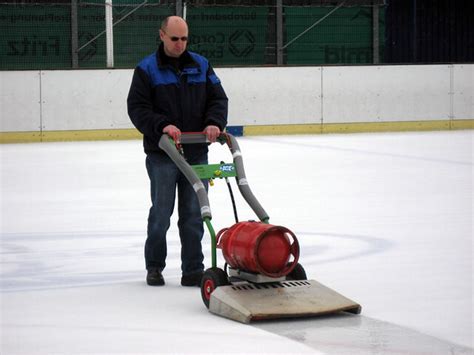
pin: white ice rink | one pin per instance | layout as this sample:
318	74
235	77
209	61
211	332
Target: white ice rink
384	219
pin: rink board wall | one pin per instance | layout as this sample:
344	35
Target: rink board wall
91	104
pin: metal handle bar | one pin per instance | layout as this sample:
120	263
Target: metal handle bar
196	137
166	144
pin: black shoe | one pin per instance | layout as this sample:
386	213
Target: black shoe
193	279
154	277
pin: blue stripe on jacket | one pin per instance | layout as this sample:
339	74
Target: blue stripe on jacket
166	76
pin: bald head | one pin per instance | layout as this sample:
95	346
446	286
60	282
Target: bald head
174	35
173	21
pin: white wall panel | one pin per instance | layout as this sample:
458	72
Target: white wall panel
386	93
85	99
463	100
265	96
19	101
96	99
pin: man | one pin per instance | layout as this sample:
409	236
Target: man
174	91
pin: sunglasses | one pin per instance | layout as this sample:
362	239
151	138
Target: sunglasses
176	39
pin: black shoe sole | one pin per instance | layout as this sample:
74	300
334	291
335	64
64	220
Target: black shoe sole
155	282
191	280
190	284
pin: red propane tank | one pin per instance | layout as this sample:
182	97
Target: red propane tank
258	247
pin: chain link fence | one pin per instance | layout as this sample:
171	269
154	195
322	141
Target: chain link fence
64	34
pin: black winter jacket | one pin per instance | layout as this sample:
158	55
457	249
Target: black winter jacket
190	98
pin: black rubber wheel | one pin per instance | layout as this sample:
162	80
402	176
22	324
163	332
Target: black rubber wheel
212	278
297	273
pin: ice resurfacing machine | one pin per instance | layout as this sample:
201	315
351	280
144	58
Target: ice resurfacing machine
262	278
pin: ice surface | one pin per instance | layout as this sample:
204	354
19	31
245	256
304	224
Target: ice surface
384	219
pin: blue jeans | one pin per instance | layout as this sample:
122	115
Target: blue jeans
164	178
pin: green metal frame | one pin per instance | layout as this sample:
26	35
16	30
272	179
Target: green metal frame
196	173
214	171
208	223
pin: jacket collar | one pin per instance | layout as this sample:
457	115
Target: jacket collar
185	60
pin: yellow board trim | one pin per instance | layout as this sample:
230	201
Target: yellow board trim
20	137
67	136
286	129
363	127
462	124
386	127
282	129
